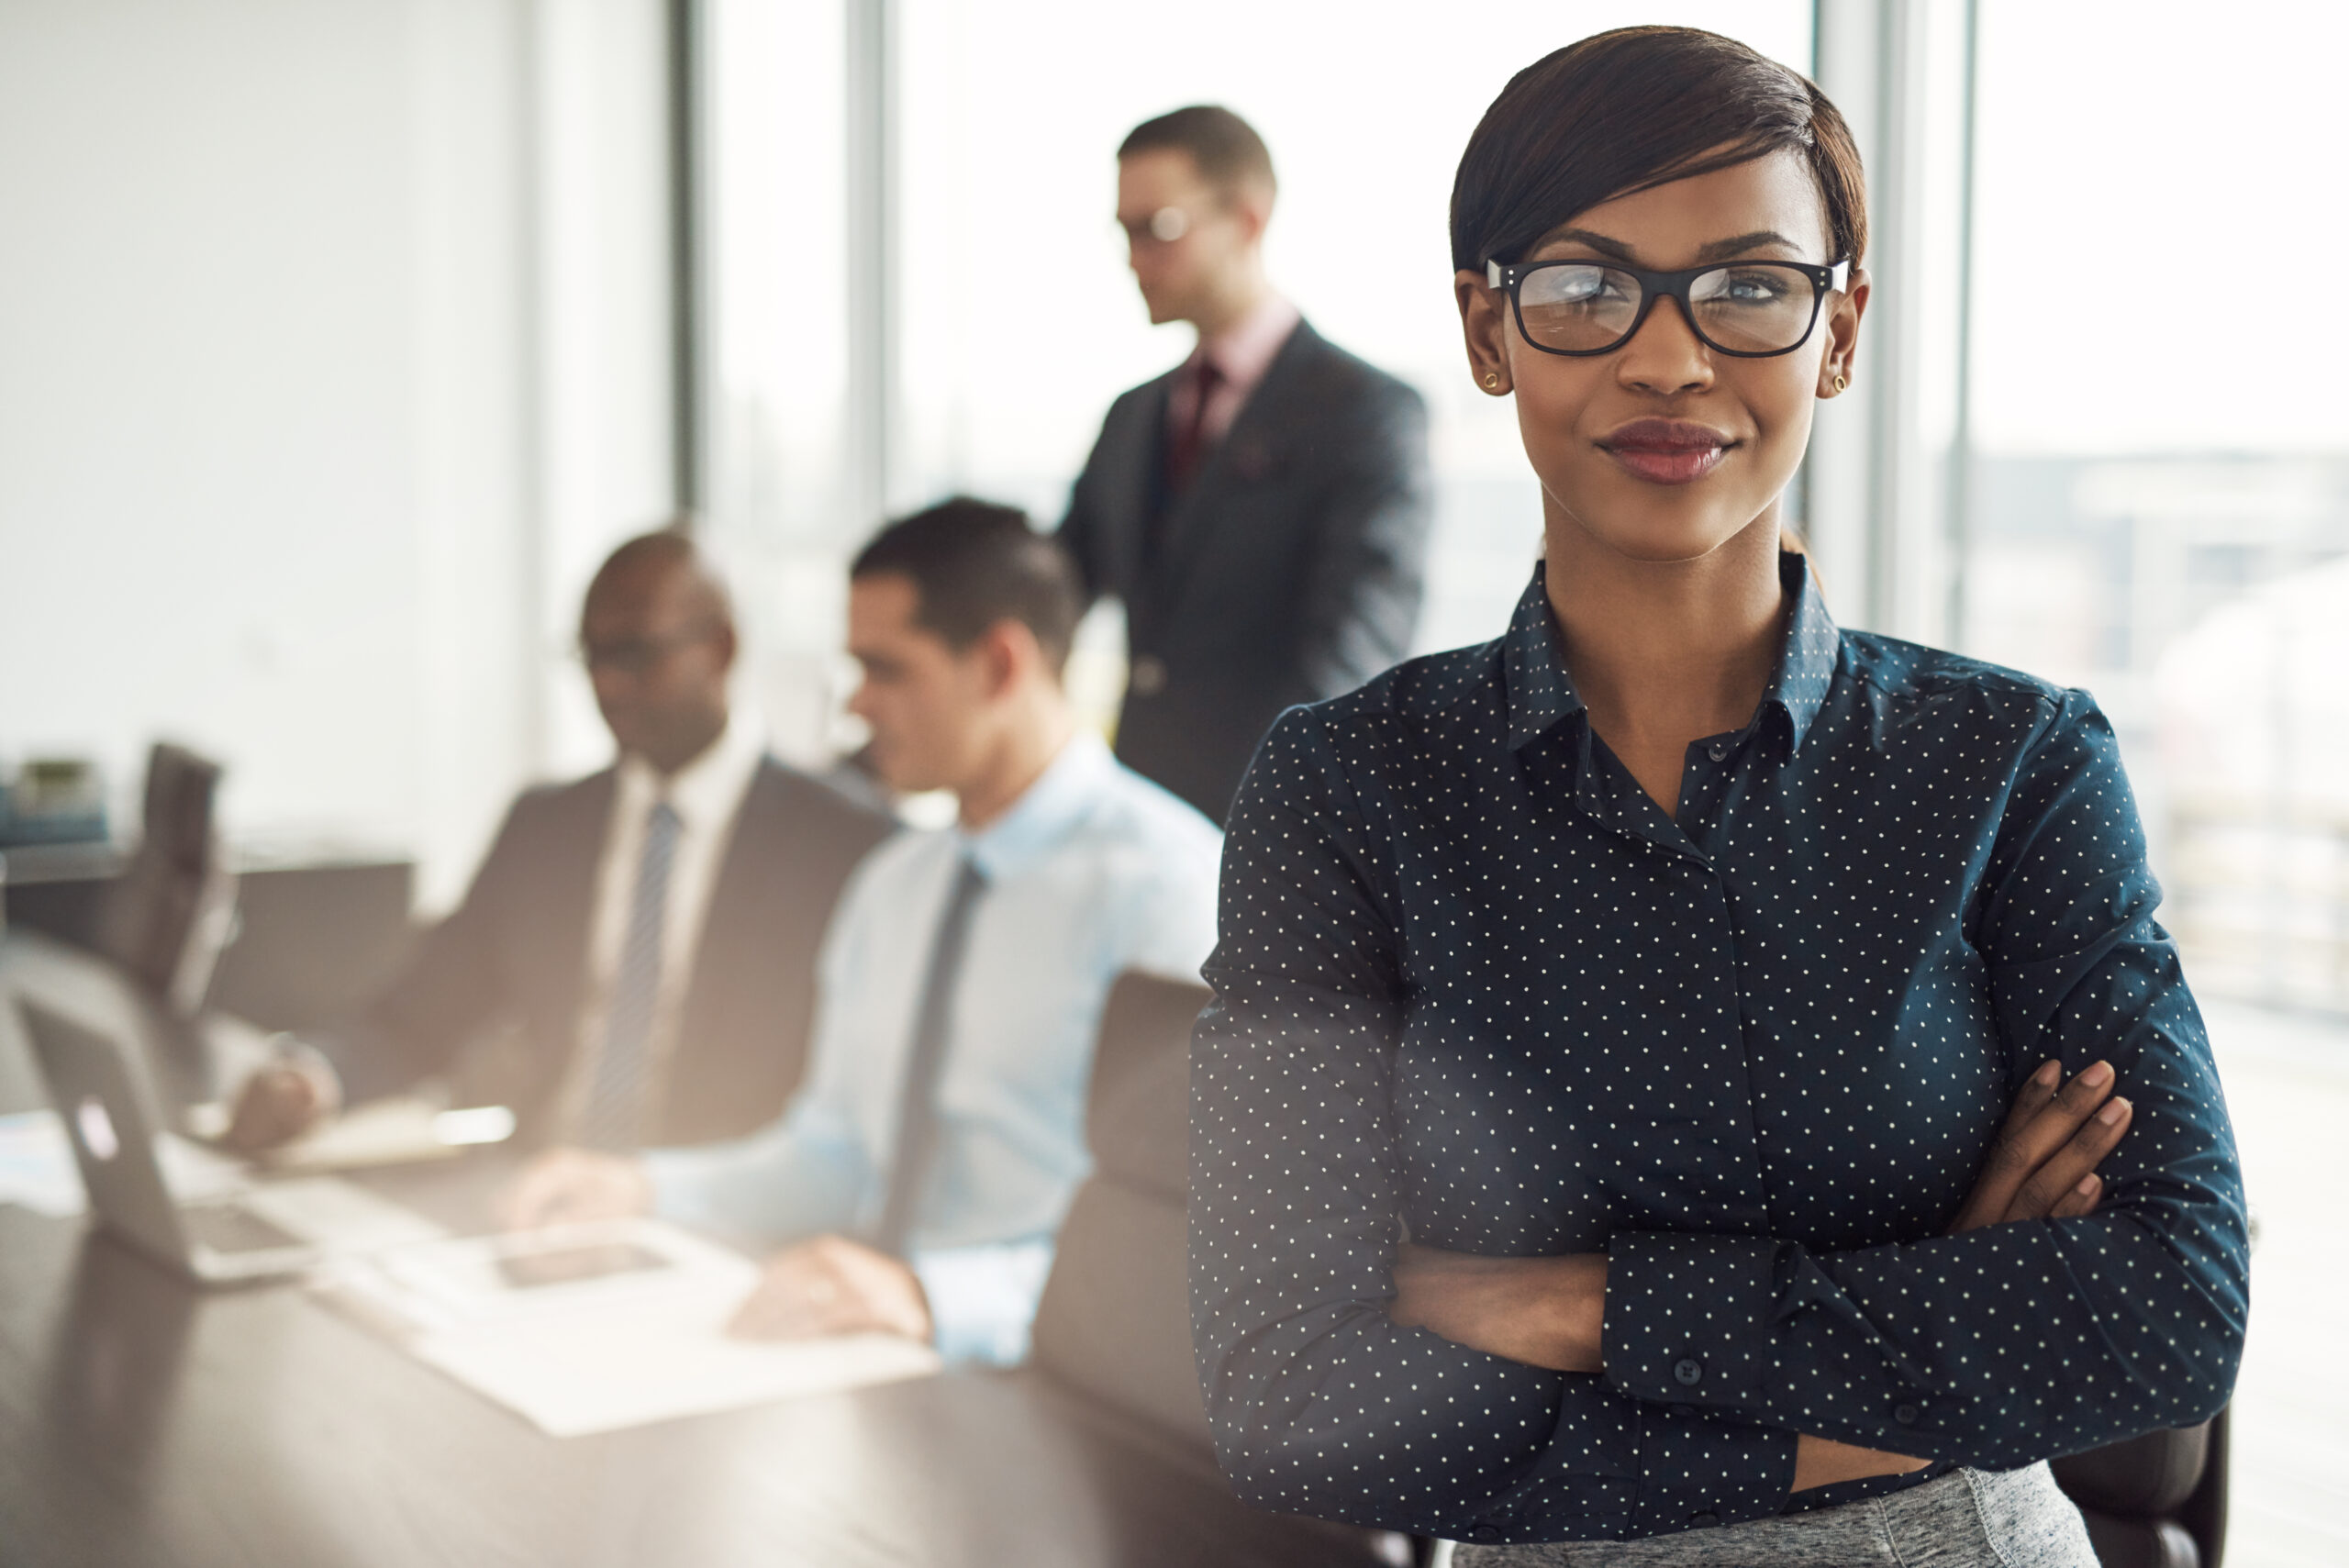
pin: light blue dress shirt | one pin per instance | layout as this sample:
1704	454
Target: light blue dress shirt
1094	871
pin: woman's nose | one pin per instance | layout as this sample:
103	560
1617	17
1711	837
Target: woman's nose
1664	356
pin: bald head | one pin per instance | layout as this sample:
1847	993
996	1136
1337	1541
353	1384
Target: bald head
652	564
658	634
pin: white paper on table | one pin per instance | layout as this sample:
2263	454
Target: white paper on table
37	1169
570	1377
600	1355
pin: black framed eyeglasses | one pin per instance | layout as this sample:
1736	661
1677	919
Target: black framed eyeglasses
1750	309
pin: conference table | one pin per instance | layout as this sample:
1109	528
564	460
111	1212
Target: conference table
146	1421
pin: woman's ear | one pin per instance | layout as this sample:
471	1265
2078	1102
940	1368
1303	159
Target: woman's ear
1484	322
1836	372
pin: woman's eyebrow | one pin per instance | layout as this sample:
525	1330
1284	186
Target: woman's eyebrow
1722	248
1715	250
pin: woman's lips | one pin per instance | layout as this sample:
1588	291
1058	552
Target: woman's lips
1667	452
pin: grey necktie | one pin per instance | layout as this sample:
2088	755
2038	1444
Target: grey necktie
614	1113
909	1166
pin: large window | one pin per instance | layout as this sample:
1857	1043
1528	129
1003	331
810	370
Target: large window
2159	511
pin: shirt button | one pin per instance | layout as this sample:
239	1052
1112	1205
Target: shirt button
1703	1521
1485	1533
1907	1415
1718	750
1689	1372
1149	676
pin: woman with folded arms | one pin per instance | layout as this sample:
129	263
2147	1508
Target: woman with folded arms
1684	1075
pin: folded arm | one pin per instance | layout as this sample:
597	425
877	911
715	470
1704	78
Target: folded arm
2008	1343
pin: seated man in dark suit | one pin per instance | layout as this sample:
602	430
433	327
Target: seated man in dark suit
1263	509
651	929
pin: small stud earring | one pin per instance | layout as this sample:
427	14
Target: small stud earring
1493	379
1840	382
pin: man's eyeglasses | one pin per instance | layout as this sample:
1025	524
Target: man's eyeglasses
1163	226
1750	309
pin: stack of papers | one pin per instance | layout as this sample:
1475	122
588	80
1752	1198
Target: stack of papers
593	1328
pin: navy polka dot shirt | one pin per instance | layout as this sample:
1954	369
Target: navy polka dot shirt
1473	983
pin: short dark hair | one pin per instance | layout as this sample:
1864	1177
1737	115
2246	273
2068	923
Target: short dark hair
1634	108
1226	147
974	563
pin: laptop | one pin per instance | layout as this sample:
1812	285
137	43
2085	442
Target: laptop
178	1202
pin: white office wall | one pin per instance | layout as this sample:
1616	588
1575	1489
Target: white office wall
332	353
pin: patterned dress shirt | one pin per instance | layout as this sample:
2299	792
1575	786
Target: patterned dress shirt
1472	982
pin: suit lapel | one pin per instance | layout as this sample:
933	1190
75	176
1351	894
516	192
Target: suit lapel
1136	485
1239	458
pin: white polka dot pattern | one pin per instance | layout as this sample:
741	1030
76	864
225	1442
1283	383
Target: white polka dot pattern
1470	978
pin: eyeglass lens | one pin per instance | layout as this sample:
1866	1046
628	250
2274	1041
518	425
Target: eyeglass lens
1754	307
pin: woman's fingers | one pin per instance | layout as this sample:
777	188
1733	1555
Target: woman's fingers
2032	1099
2079	1199
2038	1129
2078	1157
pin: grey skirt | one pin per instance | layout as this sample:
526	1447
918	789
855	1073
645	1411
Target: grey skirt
1968	1518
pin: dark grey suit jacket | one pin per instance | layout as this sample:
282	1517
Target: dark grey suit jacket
515	953
1291	569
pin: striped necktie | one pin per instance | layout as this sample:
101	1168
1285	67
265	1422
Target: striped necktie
918	1100
615	1112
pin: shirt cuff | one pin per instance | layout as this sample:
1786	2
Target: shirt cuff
983	1298
1689	1318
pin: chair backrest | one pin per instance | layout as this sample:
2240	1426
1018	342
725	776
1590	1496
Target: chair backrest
2156	1501
168	914
1115	1320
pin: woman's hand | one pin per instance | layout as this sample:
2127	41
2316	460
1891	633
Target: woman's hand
2043	1165
1543	1312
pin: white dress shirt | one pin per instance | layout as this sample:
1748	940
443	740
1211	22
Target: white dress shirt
706	794
1093	871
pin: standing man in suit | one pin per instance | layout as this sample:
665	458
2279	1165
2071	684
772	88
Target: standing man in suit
1263	509
651	929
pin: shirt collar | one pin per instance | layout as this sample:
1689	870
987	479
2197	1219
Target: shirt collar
706	792
1540	693
1062	796
1244	351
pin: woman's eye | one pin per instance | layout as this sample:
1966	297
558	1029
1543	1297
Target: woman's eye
1563	288
1749	288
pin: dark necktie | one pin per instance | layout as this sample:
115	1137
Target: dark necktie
1188	449
910	1163
615	1101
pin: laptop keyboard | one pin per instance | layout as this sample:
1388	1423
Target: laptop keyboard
227	1229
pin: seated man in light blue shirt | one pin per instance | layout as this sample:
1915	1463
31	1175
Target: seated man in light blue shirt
918	1177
